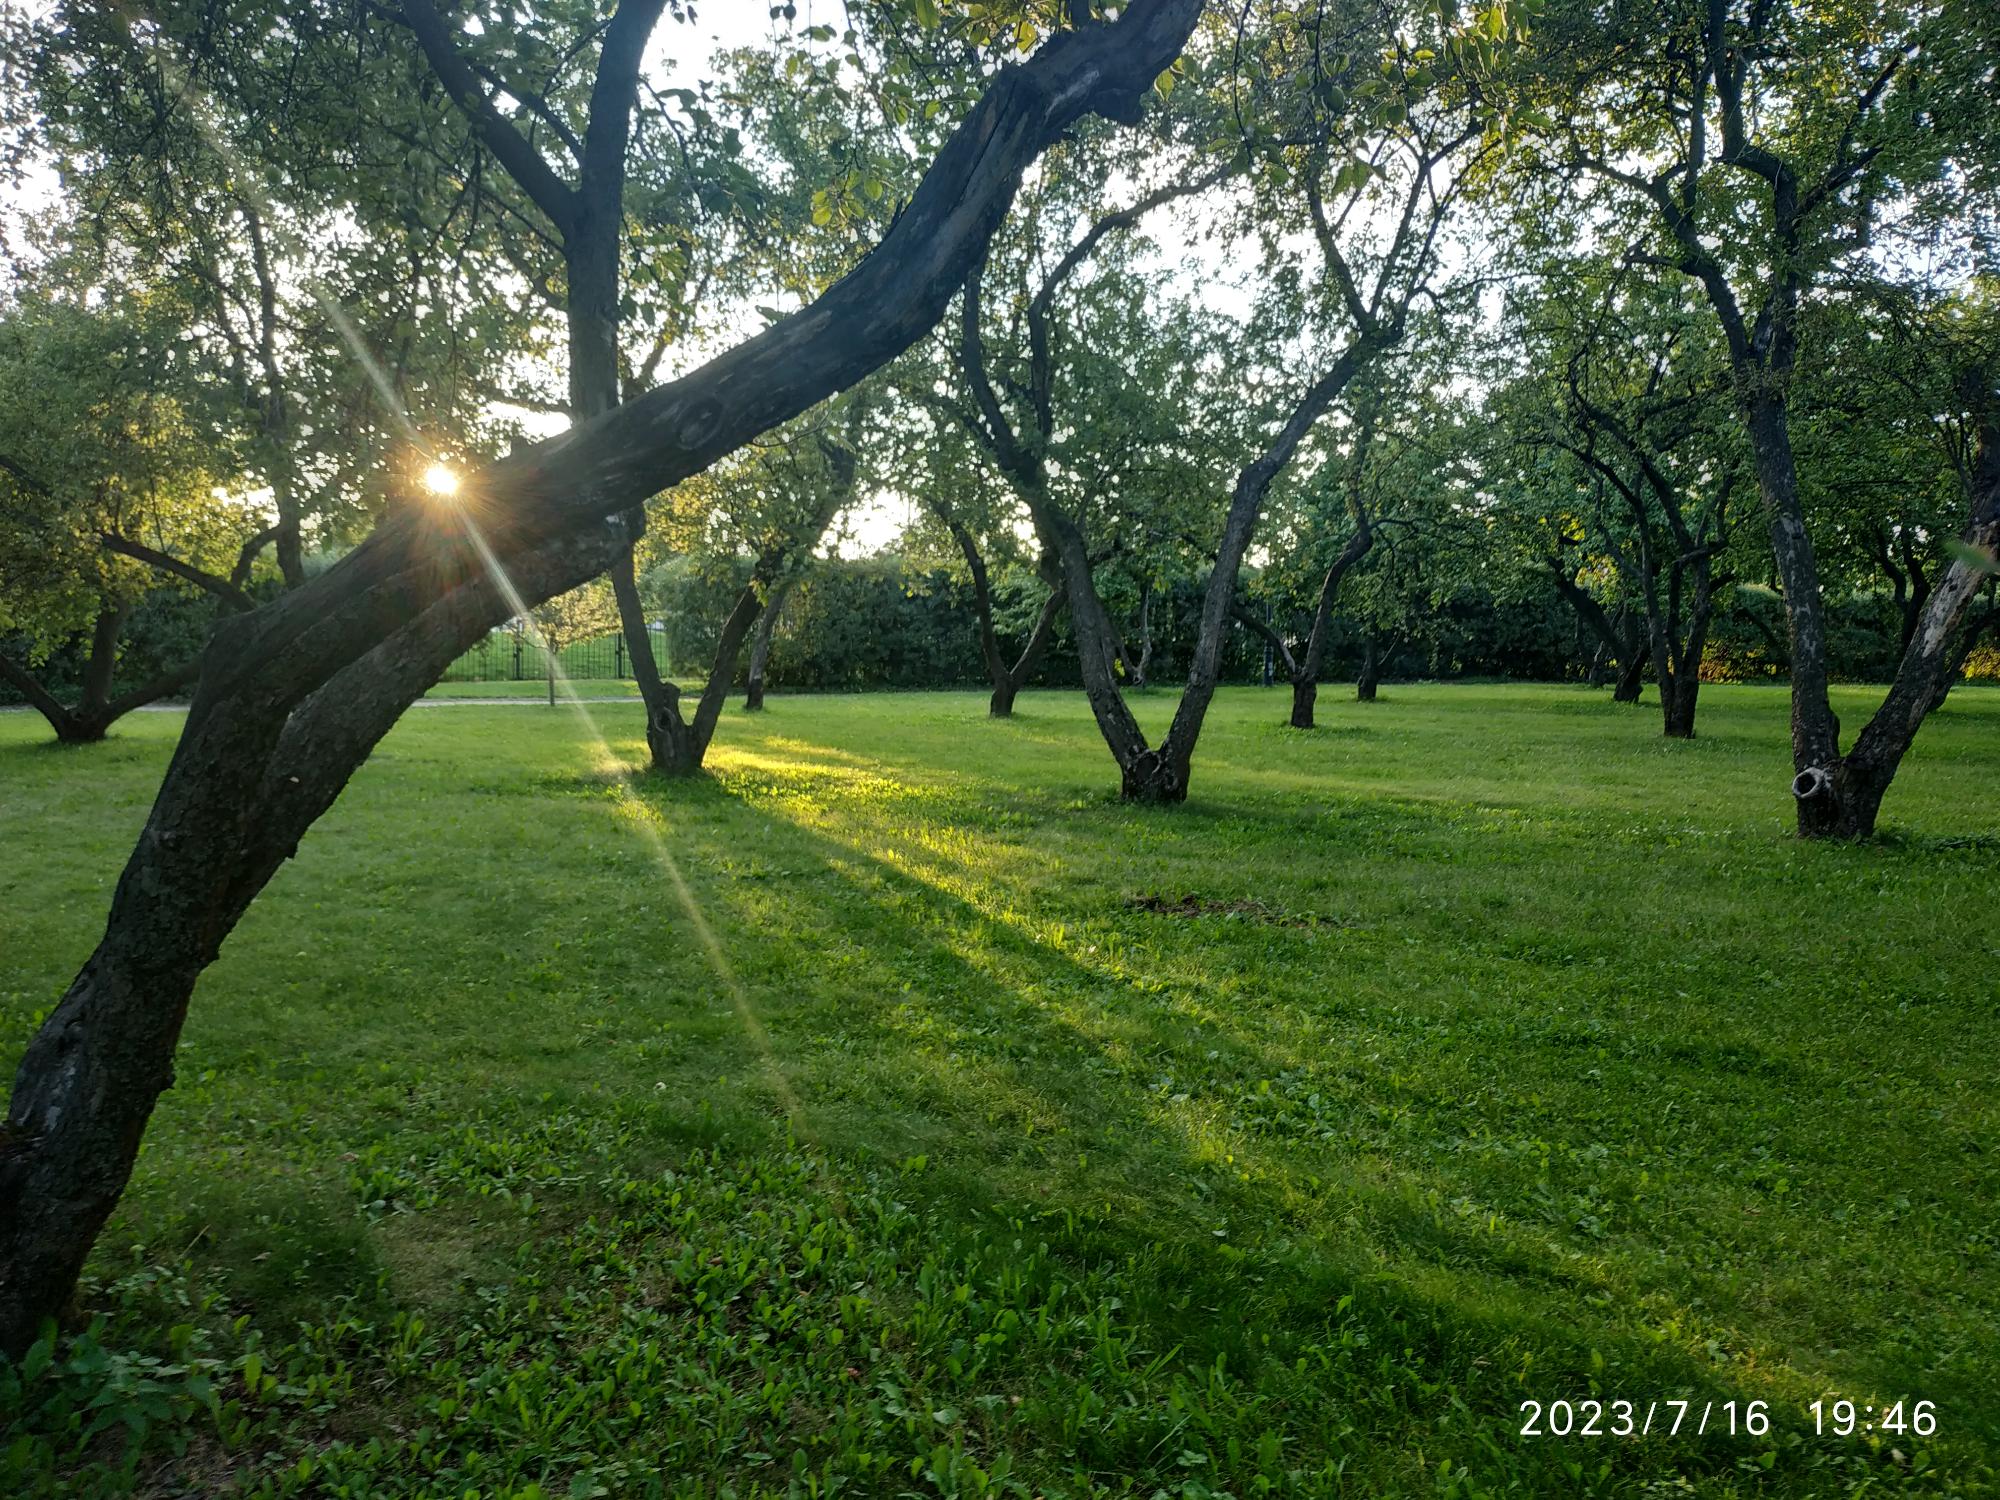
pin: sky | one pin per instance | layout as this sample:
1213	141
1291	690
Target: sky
681	54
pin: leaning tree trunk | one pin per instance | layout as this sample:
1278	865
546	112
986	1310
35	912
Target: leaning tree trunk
1614	636
1305	681
666	744
257	763
1815	728
1968	641
294	695
760	648
1160	774
1844	798
1011	680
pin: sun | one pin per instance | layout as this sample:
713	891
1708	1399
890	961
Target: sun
441	480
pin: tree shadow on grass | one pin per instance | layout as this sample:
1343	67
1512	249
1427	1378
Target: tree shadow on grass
1098	1012
936	979
1043	1090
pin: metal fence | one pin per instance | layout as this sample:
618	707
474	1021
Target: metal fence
511	655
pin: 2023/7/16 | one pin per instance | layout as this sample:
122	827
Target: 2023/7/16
1588	1417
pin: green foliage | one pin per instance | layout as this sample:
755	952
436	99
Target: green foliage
105	1403
103	429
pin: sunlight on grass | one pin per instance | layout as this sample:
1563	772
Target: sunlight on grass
1437	1098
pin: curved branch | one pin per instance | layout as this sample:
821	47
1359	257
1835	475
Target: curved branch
166	562
554	197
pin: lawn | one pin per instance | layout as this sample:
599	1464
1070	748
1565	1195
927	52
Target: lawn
896	1113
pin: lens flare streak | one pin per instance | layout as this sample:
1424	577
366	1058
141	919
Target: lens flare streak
646	822
442	482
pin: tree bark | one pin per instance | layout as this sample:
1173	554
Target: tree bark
1369	677
1305	698
1628	649
1305	679
1969	635
1007	680
685	741
760	646
659	697
1149	774
1815	727
1843	799
293	696
244	786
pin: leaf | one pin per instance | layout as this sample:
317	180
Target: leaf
1973	557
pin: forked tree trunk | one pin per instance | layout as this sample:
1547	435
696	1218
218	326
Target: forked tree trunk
1014	678
1840	796
91	720
1160	774
681	744
1007	679
1305	680
1304	672
660	698
293	696
1680	687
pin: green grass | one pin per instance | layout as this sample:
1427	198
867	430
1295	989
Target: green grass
1510	1052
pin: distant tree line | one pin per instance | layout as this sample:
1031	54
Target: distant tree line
891	622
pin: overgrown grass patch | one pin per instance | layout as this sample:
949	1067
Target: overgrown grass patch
1478	1047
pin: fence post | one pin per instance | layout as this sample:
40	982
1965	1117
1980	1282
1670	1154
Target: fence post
618	657
517	656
